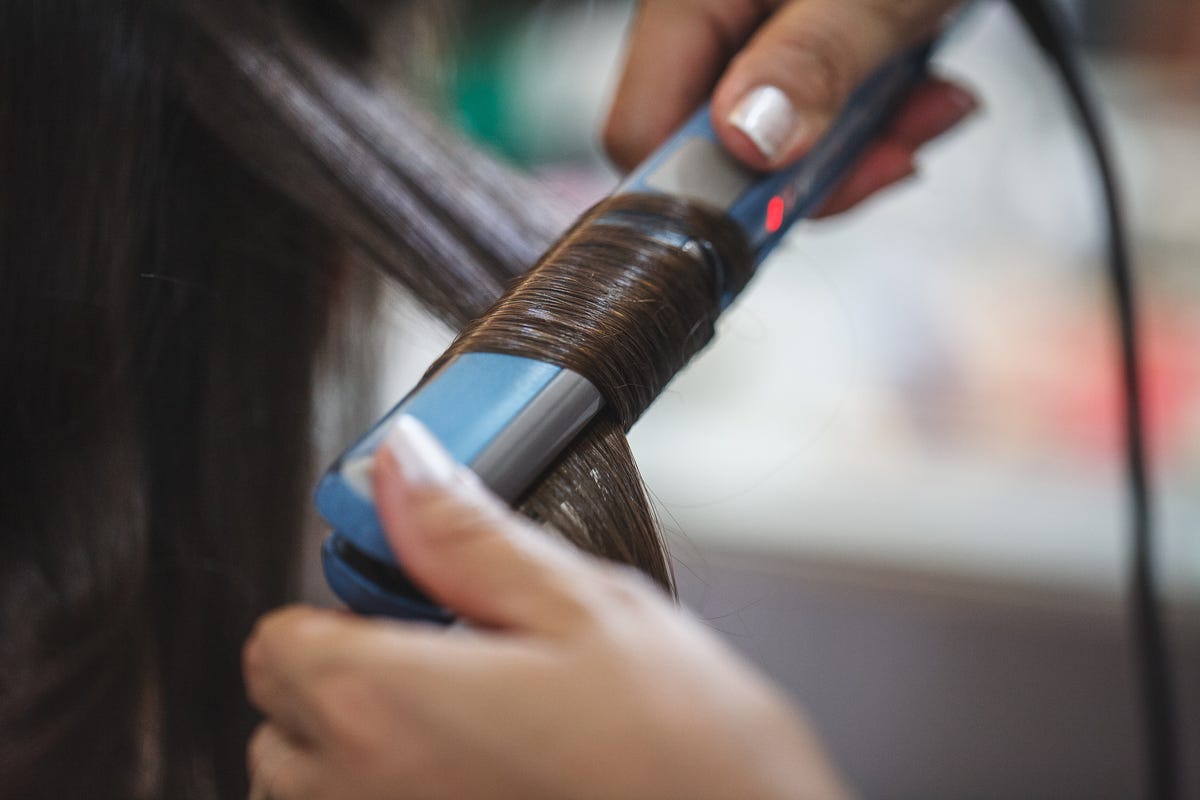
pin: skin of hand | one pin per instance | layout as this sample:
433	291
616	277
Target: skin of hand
778	72
576	678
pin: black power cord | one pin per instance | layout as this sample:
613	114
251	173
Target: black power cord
1046	25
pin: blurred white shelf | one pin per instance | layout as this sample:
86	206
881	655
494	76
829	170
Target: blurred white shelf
962	516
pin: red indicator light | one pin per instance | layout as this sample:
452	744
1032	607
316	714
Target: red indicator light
774	214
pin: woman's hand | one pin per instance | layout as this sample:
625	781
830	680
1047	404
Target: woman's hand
578	679
778	72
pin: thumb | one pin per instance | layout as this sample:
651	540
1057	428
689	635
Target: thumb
465	548
788	84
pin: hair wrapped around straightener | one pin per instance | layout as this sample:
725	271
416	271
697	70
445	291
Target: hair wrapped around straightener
614	304
620	302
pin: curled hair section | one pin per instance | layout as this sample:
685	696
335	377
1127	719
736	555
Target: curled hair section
625	299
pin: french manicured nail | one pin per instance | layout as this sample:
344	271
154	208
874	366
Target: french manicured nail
768	119
422	459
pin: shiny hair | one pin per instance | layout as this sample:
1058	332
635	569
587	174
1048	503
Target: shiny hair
620	301
187	191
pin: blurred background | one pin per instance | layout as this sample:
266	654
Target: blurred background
894	480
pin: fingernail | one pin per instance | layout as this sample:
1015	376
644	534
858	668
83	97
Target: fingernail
357	474
422	458
768	119
902	173
963	101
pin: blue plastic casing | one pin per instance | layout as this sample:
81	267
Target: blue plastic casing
465	406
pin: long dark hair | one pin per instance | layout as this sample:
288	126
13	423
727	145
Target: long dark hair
182	187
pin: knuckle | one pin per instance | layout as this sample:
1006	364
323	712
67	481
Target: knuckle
280	630
262	651
821	65
277	635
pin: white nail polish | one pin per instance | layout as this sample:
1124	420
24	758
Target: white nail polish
422	457
768	119
357	474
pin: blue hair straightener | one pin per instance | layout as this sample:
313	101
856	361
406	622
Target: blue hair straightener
507	417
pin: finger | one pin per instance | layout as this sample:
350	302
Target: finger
282	662
785	87
279	767
466	548
676	51
344	675
884	164
933	109
295	654
330	679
